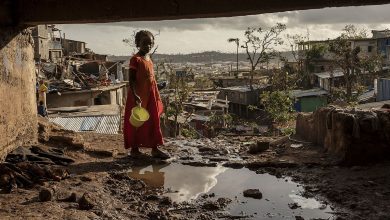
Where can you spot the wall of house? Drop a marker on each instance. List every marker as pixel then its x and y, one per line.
pixel 41 35
pixel 18 109
pixel 71 99
pixel 364 47
pixel 310 104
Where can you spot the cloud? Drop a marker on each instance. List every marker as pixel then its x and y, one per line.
pixel 371 15
pixel 196 35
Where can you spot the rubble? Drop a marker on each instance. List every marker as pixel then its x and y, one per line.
pixel 111 193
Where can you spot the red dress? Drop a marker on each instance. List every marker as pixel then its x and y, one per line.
pixel 149 134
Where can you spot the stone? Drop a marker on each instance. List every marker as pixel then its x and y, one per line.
pixel 85 178
pixel 71 198
pixel 223 202
pixel 259 147
pixel 85 202
pixel 211 206
pixel 46 195
pixel 253 193
pixel 293 205
pixel 234 165
pixel 166 201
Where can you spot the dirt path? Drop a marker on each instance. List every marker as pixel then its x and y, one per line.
pixel 101 170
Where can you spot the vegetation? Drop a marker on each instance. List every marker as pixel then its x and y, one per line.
pixel 181 91
pixel 279 105
pixel 347 58
pixel 259 45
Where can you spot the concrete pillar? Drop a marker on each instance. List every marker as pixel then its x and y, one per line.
pixel 18 109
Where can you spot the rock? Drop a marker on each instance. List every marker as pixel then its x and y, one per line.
pixel 294 205
pixel 46 195
pixel 253 193
pixel 299 218
pixel 4 180
pixel 85 178
pixel 211 206
pixel 166 201
pixel 234 165
pixel 259 147
pixel 223 202
pixel 157 215
pixel 280 141
pixel 152 197
pixel 71 198
pixel 85 202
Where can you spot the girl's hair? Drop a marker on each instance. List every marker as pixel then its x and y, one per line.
pixel 140 34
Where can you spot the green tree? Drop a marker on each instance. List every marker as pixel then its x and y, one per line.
pixel 180 94
pixel 278 104
pixel 346 57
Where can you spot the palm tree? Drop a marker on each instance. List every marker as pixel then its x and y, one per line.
pixel 238 44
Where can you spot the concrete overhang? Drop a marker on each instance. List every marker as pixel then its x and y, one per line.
pixel 33 12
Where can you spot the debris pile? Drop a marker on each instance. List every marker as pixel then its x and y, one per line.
pixel 28 174
pixel 71 74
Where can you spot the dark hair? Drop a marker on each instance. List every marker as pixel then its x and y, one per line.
pixel 140 34
pixel 40 102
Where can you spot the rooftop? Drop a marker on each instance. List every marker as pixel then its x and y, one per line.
pixel 327 75
pixel 245 88
pixel 307 93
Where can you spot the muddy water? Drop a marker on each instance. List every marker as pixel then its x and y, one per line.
pixel 186 183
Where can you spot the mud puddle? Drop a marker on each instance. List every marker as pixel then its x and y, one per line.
pixel 281 197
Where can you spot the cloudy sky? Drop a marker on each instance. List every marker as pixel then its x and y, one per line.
pixel 198 35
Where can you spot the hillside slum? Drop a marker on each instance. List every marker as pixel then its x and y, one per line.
pixel 230 160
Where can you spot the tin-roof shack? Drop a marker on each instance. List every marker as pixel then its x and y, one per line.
pixel 309 100
pixel 240 97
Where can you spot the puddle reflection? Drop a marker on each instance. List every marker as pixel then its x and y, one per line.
pixel 189 182
pixel 186 183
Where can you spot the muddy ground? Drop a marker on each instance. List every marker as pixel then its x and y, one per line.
pixel 101 165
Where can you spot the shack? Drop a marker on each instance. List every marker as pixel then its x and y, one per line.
pixel 309 100
pixel 241 97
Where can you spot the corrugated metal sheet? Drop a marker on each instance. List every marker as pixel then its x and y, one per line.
pixel 306 93
pixel 108 124
pixel 383 90
pixel 327 75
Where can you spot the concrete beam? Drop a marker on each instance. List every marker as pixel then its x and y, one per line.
pixel 33 12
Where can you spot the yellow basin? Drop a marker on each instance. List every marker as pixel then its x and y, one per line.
pixel 138 116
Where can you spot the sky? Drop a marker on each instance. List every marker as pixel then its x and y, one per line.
pixel 211 34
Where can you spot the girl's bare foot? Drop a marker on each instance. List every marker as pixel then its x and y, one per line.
pixel 157 153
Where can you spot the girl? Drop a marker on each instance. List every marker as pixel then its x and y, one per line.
pixel 143 90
